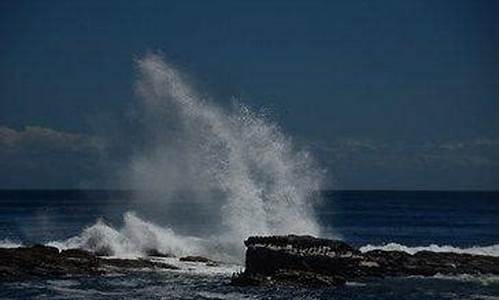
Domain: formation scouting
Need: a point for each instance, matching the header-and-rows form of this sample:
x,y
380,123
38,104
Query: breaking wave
x,y
486,250
6,243
135,238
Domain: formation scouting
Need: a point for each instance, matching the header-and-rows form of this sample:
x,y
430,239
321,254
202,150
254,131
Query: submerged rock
x,y
46,262
305,260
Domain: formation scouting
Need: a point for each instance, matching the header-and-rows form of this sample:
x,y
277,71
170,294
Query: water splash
x,y
235,163
134,239
267,187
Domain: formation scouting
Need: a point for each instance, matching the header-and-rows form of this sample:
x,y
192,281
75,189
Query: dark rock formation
x,y
196,259
138,263
305,260
200,259
43,261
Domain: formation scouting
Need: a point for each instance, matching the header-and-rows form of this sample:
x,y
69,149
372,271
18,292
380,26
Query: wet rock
x,y
135,264
427,263
43,261
77,253
196,259
47,262
305,260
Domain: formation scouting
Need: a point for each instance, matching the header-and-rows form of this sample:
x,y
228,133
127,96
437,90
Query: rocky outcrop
x,y
199,259
305,260
43,261
195,259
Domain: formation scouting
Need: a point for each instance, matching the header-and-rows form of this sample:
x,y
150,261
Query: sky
x,y
385,94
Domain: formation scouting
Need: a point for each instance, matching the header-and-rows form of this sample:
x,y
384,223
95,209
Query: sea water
x,y
408,221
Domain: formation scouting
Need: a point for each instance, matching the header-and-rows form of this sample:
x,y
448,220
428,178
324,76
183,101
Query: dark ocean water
x,y
458,219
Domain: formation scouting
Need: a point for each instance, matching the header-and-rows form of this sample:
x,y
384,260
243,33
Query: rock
x,y
196,259
77,253
43,261
135,264
300,242
305,260
46,262
427,263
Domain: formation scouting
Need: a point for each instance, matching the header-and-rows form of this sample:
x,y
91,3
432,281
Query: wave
x,y
478,250
6,243
134,239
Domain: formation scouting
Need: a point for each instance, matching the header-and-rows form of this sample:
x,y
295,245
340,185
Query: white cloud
x,y
36,139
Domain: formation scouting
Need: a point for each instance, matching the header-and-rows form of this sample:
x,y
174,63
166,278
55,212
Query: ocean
x,y
400,220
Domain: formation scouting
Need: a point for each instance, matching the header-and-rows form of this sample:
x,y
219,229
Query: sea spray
x,y
134,239
234,162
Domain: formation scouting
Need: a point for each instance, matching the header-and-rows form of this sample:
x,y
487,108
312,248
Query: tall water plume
x,y
231,170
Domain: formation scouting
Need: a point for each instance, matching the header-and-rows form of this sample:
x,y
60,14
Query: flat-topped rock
x,y
301,260
300,242
196,259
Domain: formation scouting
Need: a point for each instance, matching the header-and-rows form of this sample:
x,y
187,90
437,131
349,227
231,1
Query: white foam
x,y
134,239
220,268
478,250
6,243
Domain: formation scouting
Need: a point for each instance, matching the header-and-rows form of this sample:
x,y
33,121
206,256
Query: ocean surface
x,y
409,220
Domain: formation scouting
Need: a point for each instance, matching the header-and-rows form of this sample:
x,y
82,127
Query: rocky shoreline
x,y
41,261
309,261
273,260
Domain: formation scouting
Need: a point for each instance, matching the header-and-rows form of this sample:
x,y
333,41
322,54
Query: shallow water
x,y
179,285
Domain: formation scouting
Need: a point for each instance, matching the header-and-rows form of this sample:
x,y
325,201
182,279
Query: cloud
x,y
35,139
445,164
40,157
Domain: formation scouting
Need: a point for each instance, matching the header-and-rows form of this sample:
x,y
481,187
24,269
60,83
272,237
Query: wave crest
x,y
134,239
478,250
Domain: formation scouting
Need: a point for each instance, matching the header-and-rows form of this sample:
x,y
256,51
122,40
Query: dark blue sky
x,y
388,94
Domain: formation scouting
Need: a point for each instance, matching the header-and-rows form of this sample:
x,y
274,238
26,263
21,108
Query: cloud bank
x,y
40,139
376,164
40,157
